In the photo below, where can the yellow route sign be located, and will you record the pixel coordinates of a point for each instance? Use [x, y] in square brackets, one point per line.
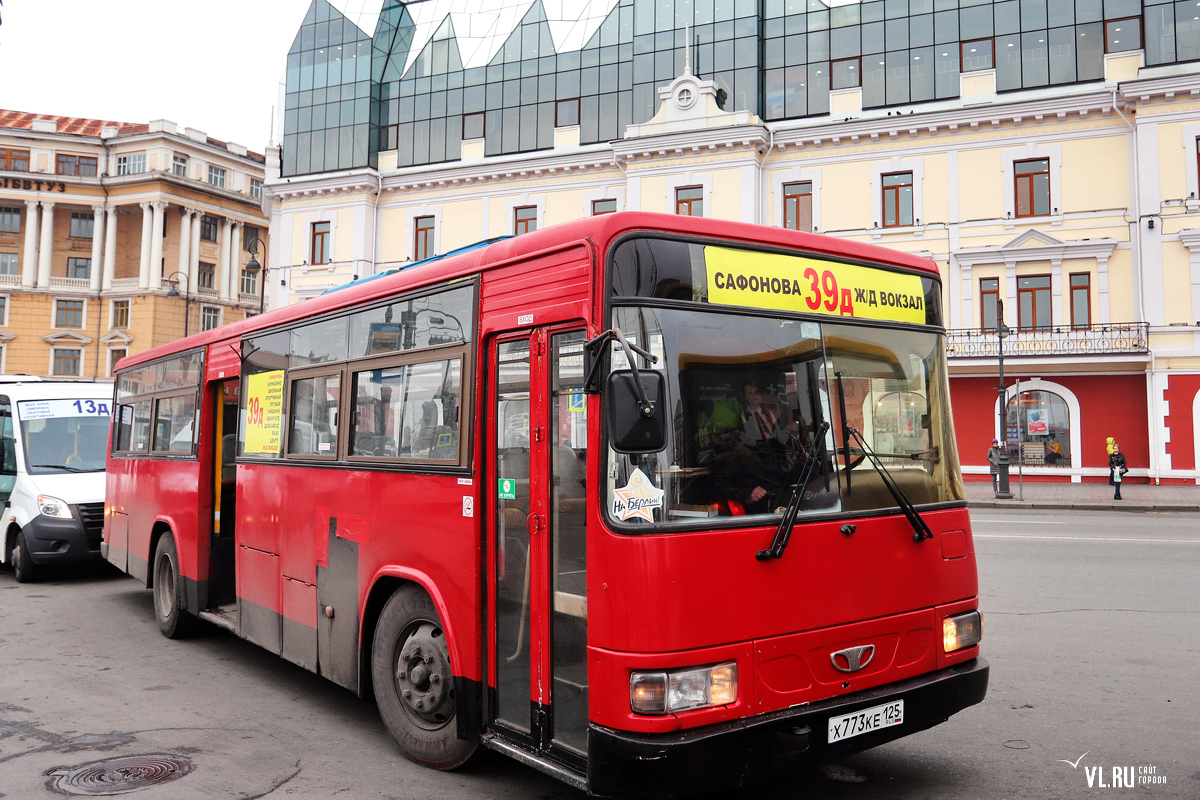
[264, 413]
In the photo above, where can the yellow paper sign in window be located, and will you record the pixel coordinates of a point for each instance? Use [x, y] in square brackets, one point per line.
[264, 413]
[812, 286]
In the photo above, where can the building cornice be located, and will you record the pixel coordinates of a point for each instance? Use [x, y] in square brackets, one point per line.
[1044, 248]
[696, 141]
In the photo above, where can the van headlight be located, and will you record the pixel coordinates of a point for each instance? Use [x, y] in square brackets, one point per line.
[682, 689]
[53, 507]
[962, 631]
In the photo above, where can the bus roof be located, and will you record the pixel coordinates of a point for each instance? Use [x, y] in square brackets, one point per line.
[601, 230]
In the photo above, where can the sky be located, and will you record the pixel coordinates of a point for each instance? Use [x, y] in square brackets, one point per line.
[214, 65]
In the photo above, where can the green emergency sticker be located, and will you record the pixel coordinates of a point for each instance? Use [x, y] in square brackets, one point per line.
[507, 489]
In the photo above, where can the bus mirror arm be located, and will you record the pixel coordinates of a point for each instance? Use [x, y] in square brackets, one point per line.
[921, 531]
[783, 534]
[594, 345]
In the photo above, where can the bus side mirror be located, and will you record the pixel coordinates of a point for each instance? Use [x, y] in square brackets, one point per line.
[631, 431]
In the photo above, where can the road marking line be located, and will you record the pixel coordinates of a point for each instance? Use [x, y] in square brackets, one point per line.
[1079, 538]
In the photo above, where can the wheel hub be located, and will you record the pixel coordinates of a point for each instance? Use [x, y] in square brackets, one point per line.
[423, 675]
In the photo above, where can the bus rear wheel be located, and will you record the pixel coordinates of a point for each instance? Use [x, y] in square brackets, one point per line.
[414, 682]
[24, 570]
[173, 619]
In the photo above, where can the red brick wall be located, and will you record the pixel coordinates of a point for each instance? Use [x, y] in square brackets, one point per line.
[1180, 393]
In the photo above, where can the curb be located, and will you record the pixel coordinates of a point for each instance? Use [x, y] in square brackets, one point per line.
[1087, 506]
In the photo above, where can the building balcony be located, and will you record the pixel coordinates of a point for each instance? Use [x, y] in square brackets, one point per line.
[1128, 337]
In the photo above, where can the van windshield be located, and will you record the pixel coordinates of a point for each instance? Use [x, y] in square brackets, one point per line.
[64, 435]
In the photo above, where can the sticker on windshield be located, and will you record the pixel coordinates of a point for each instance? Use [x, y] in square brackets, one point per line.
[638, 498]
[46, 409]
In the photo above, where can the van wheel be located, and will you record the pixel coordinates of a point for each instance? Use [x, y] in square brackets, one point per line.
[414, 682]
[173, 619]
[24, 570]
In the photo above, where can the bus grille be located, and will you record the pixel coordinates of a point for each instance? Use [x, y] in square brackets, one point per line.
[92, 515]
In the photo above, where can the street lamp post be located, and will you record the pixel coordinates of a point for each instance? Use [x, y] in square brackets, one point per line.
[187, 300]
[1003, 492]
[253, 266]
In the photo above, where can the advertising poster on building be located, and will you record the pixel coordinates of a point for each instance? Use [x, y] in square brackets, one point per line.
[264, 413]
[1036, 419]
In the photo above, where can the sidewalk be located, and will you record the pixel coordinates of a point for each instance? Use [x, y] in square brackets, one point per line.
[1092, 496]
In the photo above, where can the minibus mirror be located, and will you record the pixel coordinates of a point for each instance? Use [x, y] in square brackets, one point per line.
[631, 429]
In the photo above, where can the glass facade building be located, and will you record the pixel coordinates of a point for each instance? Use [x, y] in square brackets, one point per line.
[351, 94]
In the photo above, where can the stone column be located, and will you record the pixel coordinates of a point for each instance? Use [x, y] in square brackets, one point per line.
[46, 248]
[194, 261]
[110, 248]
[29, 264]
[97, 246]
[185, 242]
[223, 259]
[144, 264]
[156, 243]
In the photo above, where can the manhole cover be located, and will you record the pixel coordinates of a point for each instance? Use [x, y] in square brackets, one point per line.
[119, 775]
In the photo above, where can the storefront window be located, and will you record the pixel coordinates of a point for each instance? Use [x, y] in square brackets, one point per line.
[1039, 430]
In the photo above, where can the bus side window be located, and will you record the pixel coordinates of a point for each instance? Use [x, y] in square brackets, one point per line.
[8, 451]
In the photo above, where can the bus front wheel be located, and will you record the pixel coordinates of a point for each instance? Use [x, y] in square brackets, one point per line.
[24, 570]
[173, 619]
[414, 682]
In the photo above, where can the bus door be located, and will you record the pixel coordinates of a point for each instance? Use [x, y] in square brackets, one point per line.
[538, 442]
[221, 590]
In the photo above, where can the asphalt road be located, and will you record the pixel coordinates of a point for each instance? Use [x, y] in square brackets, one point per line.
[1092, 627]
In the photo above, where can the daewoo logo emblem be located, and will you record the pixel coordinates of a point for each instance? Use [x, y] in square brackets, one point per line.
[855, 658]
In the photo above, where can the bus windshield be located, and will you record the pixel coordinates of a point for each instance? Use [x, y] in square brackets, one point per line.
[756, 403]
[64, 435]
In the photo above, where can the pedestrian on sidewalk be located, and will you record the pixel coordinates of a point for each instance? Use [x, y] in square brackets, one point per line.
[1116, 469]
[993, 458]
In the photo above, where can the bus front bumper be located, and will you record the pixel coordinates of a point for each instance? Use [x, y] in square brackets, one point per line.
[59, 541]
[748, 751]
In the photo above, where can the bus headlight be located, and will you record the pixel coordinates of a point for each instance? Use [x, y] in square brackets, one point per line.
[962, 631]
[683, 689]
[53, 507]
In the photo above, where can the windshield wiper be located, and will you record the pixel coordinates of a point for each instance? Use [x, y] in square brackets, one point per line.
[783, 533]
[60, 466]
[921, 531]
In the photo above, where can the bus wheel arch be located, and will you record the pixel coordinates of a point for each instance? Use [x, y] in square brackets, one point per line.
[413, 679]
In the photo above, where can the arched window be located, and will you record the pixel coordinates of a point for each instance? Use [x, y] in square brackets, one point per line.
[1039, 429]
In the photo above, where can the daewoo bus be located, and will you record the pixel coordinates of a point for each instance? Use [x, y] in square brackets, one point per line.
[652, 504]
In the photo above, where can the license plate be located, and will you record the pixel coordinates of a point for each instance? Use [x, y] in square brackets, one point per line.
[865, 721]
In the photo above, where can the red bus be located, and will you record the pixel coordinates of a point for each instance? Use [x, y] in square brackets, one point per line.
[653, 504]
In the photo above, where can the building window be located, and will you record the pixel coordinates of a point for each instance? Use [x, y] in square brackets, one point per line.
[1122, 35]
[84, 166]
[423, 228]
[131, 164]
[1081, 300]
[9, 264]
[989, 295]
[179, 165]
[115, 354]
[566, 112]
[210, 318]
[319, 251]
[249, 234]
[79, 268]
[976, 55]
[66, 361]
[250, 282]
[14, 160]
[82, 224]
[10, 219]
[206, 276]
[208, 228]
[797, 206]
[68, 313]
[689, 201]
[472, 126]
[1032, 187]
[1033, 303]
[897, 199]
[3, 309]
[216, 176]
[846, 73]
[524, 219]
[119, 318]
[256, 188]
[606, 206]
[1039, 429]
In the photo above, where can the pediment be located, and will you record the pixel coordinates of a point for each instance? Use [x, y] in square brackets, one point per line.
[117, 337]
[67, 337]
[1033, 238]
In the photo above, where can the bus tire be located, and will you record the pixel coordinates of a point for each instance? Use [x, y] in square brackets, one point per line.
[173, 619]
[24, 570]
[414, 682]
